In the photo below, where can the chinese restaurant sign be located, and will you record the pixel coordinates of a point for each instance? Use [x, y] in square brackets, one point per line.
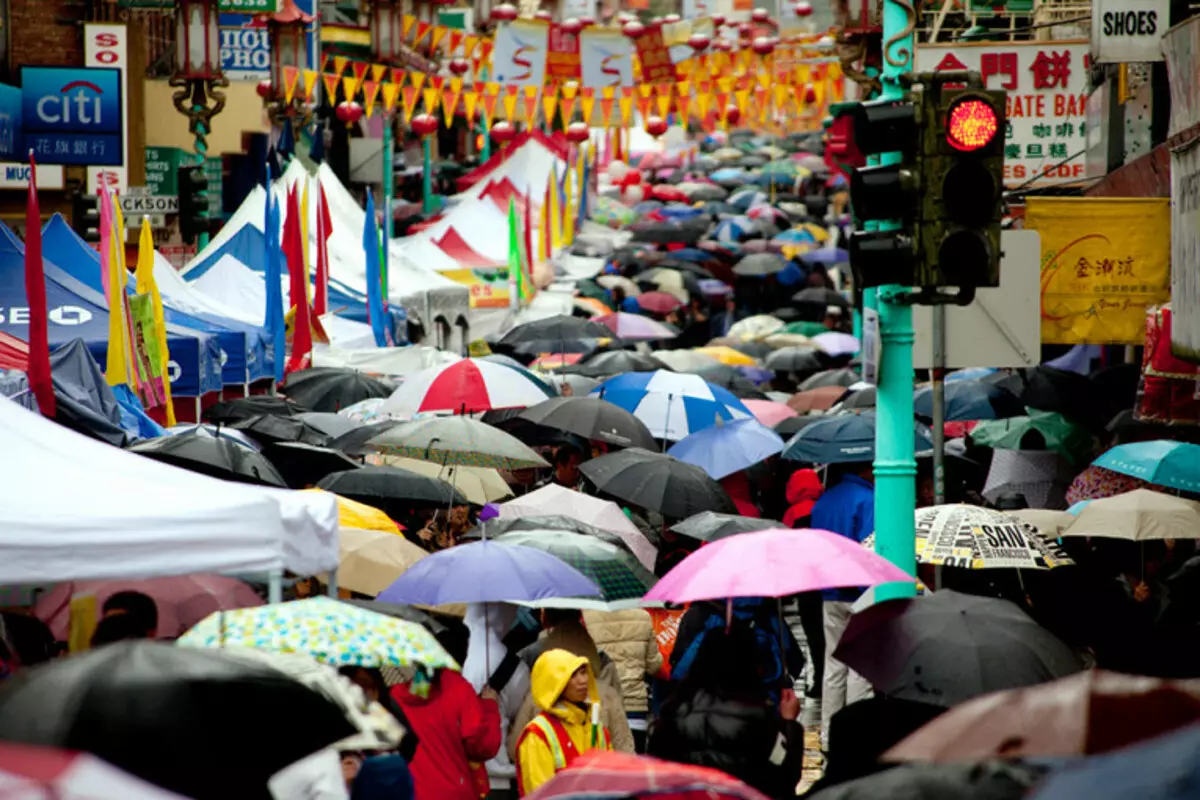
[1104, 260]
[1047, 106]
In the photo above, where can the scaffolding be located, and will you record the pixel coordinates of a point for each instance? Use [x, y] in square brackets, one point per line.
[947, 21]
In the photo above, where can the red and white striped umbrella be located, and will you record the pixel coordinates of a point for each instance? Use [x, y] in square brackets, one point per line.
[42, 772]
[465, 387]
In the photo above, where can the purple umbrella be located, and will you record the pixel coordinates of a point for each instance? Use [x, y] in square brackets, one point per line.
[715, 288]
[634, 327]
[486, 572]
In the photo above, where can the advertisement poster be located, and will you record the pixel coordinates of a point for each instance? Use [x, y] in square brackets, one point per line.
[1047, 103]
[519, 53]
[605, 58]
[245, 48]
[1181, 49]
[1100, 273]
[562, 55]
[1185, 250]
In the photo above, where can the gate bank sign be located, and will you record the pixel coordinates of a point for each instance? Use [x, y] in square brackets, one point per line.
[71, 115]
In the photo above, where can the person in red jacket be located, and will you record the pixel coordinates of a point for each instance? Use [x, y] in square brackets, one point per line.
[458, 730]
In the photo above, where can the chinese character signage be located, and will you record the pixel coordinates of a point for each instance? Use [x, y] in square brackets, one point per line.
[1185, 250]
[249, 6]
[1104, 261]
[657, 66]
[245, 48]
[72, 116]
[1047, 106]
[562, 58]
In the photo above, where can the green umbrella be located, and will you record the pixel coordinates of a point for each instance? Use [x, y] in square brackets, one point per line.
[805, 328]
[456, 441]
[1061, 436]
[621, 577]
[589, 288]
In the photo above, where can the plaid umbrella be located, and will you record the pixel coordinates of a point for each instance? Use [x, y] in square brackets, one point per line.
[616, 571]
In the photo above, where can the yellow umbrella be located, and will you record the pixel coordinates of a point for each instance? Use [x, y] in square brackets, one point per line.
[370, 560]
[353, 514]
[815, 231]
[480, 485]
[727, 355]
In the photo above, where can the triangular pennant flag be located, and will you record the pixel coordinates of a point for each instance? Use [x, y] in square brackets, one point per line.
[587, 103]
[607, 97]
[378, 71]
[470, 99]
[423, 29]
[397, 76]
[742, 96]
[703, 101]
[510, 102]
[550, 105]
[449, 105]
[725, 84]
[781, 96]
[429, 97]
[417, 79]
[370, 93]
[291, 76]
[359, 68]
[625, 104]
[437, 81]
[487, 104]
[643, 102]
[456, 39]
[406, 25]
[331, 87]
[349, 87]
[439, 33]
[566, 104]
[664, 100]
[530, 104]
[310, 82]
[483, 57]
[469, 45]
[683, 99]
[409, 96]
[391, 91]
[325, 58]
[339, 65]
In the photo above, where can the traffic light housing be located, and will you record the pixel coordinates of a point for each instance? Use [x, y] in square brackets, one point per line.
[193, 202]
[841, 153]
[962, 201]
[85, 217]
[886, 192]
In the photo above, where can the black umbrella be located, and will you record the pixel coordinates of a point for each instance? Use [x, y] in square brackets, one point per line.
[834, 377]
[270, 429]
[1047, 389]
[657, 482]
[787, 314]
[217, 456]
[845, 439]
[184, 719]
[716, 208]
[757, 350]
[858, 401]
[946, 647]
[545, 522]
[352, 443]
[734, 380]
[793, 425]
[759, 264]
[253, 406]
[798, 358]
[991, 780]
[303, 465]
[820, 296]
[614, 363]
[392, 489]
[535, 347]
[970, 400]
[709, 526]
[333, 388]
[333, 425]
[511, 422]
[558, 328]
[593, 419]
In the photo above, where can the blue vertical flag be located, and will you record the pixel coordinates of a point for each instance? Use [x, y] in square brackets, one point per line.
[583, 192]
[375, 312]
[273, 319]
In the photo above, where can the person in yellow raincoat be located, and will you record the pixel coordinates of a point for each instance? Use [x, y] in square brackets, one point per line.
[568, 724]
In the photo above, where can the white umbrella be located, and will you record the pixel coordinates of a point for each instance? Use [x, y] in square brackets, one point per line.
[1139, 516]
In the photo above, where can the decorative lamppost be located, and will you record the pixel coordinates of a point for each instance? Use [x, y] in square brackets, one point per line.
[199, 78]
[288, 35]
[387, 36]
[425, 126]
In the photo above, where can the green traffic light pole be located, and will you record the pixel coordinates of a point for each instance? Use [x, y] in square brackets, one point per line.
[895, 459]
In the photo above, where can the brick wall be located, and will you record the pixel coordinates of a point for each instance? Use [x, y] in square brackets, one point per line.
[46, 33]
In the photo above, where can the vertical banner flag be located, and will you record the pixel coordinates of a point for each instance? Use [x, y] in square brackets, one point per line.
[293, 244]
[605, 58]
[324, 231]
[156, 343]
[519, 53]
[375, 310]
[273, 317]
[655, 58]
[38, 370]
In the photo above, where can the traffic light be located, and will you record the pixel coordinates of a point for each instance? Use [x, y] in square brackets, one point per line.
[841, 154]
[85, 217]
[962, 202]
[886, 192]
[193, 203]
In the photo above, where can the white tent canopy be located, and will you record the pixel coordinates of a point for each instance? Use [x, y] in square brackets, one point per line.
[73, 508]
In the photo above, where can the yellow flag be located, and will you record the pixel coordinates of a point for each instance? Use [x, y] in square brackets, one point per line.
[556, 218]
[568, 234]
[116, 367]
[147, 285]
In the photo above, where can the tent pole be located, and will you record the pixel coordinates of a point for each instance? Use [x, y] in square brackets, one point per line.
[275, 586]
[332, 588]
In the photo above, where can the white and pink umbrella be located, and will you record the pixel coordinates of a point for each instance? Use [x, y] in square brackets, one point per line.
[43, 773]
[635, 327]
[768, 412]
[837, 344]
[465, 387]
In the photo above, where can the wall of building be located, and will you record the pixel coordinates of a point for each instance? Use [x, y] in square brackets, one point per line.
[45, 32]
[166, 127]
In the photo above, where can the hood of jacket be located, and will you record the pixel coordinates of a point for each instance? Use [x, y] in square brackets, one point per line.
[804, 485]
[383, 778]
[551, 672]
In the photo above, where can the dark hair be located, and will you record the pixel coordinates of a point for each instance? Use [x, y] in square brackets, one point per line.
[137, 605]
[557, 616]
[565, 454]
[119, 628]
[25, 640]
[722, 669]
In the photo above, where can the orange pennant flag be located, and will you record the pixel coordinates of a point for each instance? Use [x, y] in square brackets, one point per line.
[683, 98]
[331, 86]
[391, 92]
[487, 104]
[339, 65]
[550, 104]
[359, 68]
[397, 76]
[510, 102]
[370, 93]
[587, 103]
[325, 61]
[409, 96]
[349, 88]
[483, 58]
[456, 39]
[449, 105]
[607, 98]
[291, 76]
[438, 81]
[310, 82]
[664, 100]
[469, 45]
[378, 71]
[470, 99]
[423, 29]
[530, 104]
[566, 103]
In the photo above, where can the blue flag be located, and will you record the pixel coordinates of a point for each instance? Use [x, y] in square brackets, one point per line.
[375, 312]
[273, 320]
[583, 192]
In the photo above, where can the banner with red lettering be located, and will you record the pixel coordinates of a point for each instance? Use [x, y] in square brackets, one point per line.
[655, 57]
[562, 57]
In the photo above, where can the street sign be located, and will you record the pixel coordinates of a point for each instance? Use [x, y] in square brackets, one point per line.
[162, 166]
[249, 6]
[136, 203]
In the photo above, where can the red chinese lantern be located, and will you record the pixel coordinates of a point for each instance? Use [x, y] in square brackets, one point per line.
[586, 21]
[802, 9]
[505, 12]
[349, 112]
[760, 15]
[263, 89]
[810, 94]
[718, 20]
[578, 132]
[626, 17]
[724, 45]
[544, 15]
[763, 45]
[656, 126]
[572, 26]
[503, 132]
[459, 66]
[671, 19]
[745, 30]
[633, 29]
[733, 114]
[699, 42]
[424, 125]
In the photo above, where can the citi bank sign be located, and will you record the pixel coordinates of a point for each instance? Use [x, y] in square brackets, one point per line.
[72, 115]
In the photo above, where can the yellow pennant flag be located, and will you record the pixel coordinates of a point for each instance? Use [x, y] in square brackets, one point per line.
[417, 79]
[664, 100]
[146, 284]
[291, 77]
[568, 233]
[509, 101]
[556, 212]
[550, 104]
[431, 100]
[439, 33]
[529, 104]
[470, 99]
[310, 82]
[116, 368]
[587, 103]
[349, 87]
[449, 105]
[370, 94]
[391, 91]
[378, 71]
[339, 65]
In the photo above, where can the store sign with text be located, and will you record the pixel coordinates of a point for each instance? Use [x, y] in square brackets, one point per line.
[72, 116]
[107, 47]
[1128, 31]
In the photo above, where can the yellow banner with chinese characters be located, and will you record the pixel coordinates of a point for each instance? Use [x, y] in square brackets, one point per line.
[1104, 260]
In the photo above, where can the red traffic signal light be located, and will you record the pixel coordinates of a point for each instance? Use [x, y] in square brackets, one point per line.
[971, 124]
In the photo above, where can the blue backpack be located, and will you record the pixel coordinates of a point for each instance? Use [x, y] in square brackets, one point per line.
[748, 615]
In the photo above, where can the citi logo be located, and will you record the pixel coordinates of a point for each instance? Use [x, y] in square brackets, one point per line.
[82, 107]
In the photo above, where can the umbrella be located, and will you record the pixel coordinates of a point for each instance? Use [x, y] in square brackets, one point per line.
[245, 407]
[458, 441]
[981, 538]
[1049, 523]
[709, 526]
[491, 528]
[371, 560]
[618, 574]
[759, 264]
[353, 443]
[215, 456]
[332, 388]
[992, 780]
[465, 387]
[352, 514]
[591, 418]
[826, 257]
[857, 399]
[726, 154]
[571, 385]
[755, 327]
[1138, 516]
[608, 211]
[768, 412]
[1041, 430]
[725, 449]
[636, 328]
[728, 355]
[330, 631]
[391, 489]
[34, 773]
[1095, 482]
[970, 400]
[272, 429]
[821, 399]
[609, 775]
[821, 296]
[834, 377]
[332, 425]
[554, 361]
[615, 362]
[755, 349]
[704, 191]
[303, 465]
[365, 412]
[1083, 714]
[556, 328]
[945, 647]
[670, 404]
[480, 485]
[805, 328]
[158, 711]
[837, 344]
[735, 380]
[686, 360]
[774, 563]
[656, 303]
[682, 284]
[215, 431]
[844, 439]
[657, 482]
[626, 285]
[793, 425]
[1046, 388]
[484, 572]
[1174, 465]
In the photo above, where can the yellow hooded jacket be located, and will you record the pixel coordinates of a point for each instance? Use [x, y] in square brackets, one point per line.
[537, 758]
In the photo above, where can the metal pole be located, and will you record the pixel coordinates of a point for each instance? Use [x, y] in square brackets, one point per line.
[427, 178]
[939, 405]
[275, 586]
[389, 181]
[201, 157]
[895, 461]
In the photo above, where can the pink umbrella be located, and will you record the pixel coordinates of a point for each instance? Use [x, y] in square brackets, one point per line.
[43, 773]
[182, 601]
[774, 563]
[658, 302]
[635, 327]
[768, 412]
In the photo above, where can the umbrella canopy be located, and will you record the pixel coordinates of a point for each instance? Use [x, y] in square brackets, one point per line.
[465, 387]
[330, 424]
[186, 428]
[738, 380]
[755, 327]
[330, 631]
[686, 360]
[1138, 516]
[945, 647]
[821, 399]
[591, 418]
[1046, 388]
[657, 303]
[1041, 430]
[844, 377]
[670, 404]
[215, 456]
[484, 572]
[725, 449]
[620, 576]
[971, 537]
[709, 526]
[33, 772]
[844, 439]
[1047, 522]
[609, 775]
[352, 514]
[480, 485]
[728, 356]
[657, 482]
[556, 328]
[332, 388]
[303, 465]
[774, 563]
[768, 412]
[459, 441]
[992, 780]
[252, 406]
[1083, 714]
[272, 429]
[392, 489]
[626, 285]
[822, 297]
[970, 400]
[353, 443]
[1174, 465]
[615, 362]
[110, 702]
[371, 560]
[636, 328]
[759, 265]
[837, 344]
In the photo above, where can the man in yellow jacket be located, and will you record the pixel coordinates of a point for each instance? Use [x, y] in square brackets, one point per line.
[568, 724]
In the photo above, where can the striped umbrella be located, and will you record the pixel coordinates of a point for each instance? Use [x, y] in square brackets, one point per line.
[465, 387]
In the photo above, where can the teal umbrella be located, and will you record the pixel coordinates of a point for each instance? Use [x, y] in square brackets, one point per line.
[1029, 433]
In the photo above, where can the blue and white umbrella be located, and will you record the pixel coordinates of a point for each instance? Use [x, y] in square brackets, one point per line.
[670, 404]
[734, 229]
[728, 448]
[745, 198]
